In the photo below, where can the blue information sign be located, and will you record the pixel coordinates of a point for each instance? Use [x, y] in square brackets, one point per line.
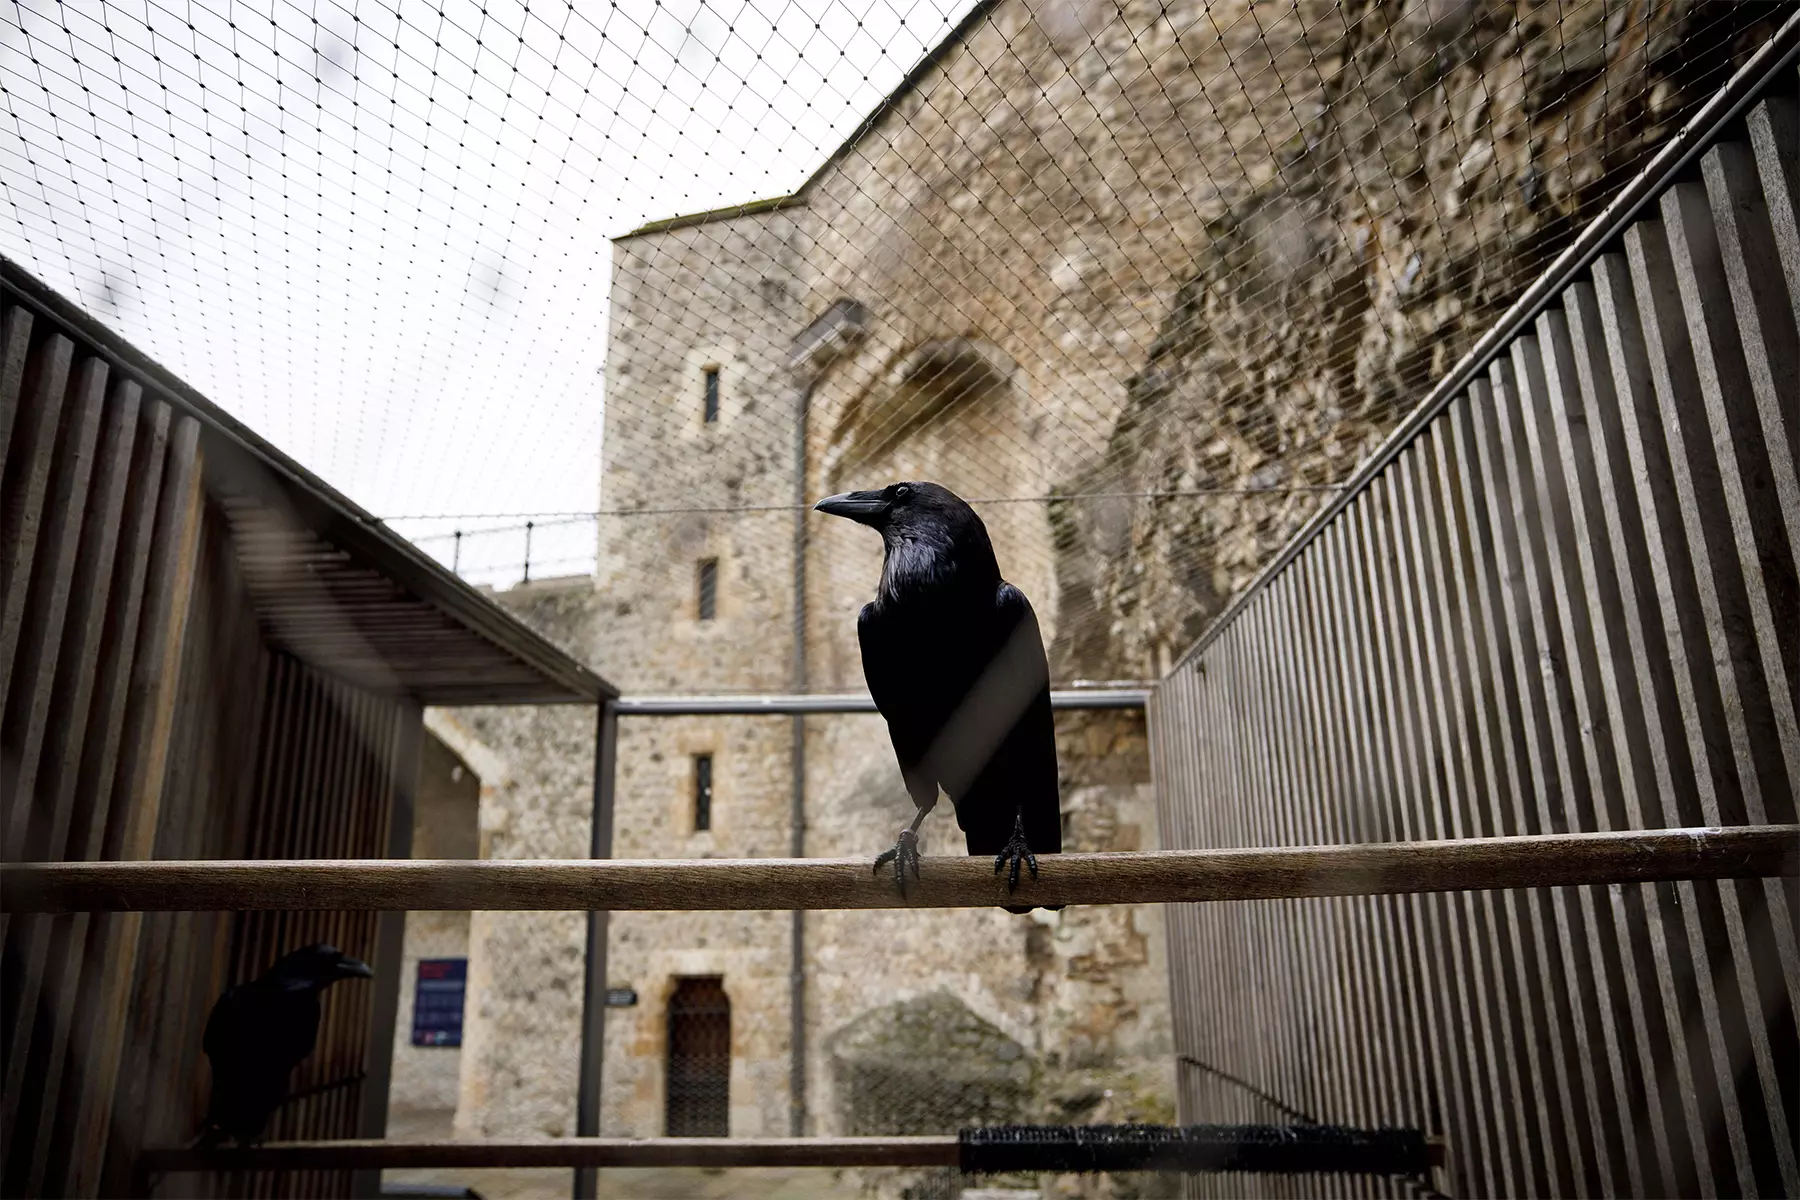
[438, 1003]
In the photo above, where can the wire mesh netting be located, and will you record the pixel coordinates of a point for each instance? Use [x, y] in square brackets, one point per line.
[1145, 280]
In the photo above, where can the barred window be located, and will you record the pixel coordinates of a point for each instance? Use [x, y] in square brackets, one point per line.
[703, 791]
[709, 588]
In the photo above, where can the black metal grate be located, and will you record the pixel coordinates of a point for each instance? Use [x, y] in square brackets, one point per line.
[699, 1059]
[1278, 1149]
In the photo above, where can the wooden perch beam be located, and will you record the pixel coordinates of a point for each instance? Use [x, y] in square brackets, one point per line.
[671, 885]
[566, 1152]
[943, 1151]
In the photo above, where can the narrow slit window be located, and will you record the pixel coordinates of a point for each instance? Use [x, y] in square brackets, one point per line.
[702, 792]
[709, 588]
[712, 394]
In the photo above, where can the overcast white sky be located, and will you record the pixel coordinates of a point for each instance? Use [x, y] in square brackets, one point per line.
[377, 233]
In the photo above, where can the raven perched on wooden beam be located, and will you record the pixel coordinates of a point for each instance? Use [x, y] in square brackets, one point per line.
[259, 1032]
[956, 664]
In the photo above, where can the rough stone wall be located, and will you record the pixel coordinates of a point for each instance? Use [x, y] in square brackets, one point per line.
[446, 815]
[1420, 164]
[720, 295]
[523, 1005]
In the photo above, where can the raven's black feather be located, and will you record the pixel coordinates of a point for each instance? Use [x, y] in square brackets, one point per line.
[955, 662]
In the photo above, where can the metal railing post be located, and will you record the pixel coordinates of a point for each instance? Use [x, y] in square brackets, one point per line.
[593, 995]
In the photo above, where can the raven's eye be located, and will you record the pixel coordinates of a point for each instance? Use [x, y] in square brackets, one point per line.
[902, 492]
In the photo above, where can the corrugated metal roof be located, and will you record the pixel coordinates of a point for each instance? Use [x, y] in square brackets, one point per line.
[332, 585]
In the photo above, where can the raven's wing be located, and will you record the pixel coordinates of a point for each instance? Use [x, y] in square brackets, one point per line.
[236, 1102]
[225, 1025]
[254, 1038]
[894, 684]
[1017, 777]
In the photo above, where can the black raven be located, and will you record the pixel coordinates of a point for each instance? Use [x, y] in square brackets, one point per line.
[956, 664]
[260, 1031]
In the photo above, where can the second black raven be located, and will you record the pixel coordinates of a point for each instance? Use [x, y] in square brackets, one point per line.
[260, 1031]
[956, 664]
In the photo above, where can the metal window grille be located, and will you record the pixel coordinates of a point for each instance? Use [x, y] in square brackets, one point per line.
[699, 1059]
[709, 589]
[703, 792]
[712, 395]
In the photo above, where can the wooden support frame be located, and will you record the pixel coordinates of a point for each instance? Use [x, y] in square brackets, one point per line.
[673, 885]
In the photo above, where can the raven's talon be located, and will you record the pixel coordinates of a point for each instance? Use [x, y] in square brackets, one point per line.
[904, 854]
[1014, 853]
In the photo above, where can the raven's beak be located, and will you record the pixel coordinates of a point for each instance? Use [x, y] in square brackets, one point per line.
[354, 968]
[865, 508]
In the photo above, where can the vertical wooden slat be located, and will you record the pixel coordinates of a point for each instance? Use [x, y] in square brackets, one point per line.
[26, 703]
[1753, 468]
[1559, 783]
[1586, 769]
[1589, 610]
[1763, 577]
[1420, 938]
[1456, 515]
[1775, 138]
[23, 729]
[1767, 327]
[1267, 1001]
[25, 478]
[52, 952]
[1322, 941]
[1264, 1003]
[1401, 993]
[1433, 675]
[1437, 619]
[1219, 929]
[1296, 1039]
[1643, 712]
[15, 344]
[1313, 1059]
[138, 783]
[1733, 689]
[91, 599]
[1527, 779]
[100, 754]
[1383, 1016]
[1347, 978]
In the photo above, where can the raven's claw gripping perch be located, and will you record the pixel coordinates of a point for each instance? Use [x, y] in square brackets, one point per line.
[1014, 853]
[904, 854]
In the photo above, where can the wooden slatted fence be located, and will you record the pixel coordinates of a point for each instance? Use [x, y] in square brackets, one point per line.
[1566, 602]
[144, 714]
